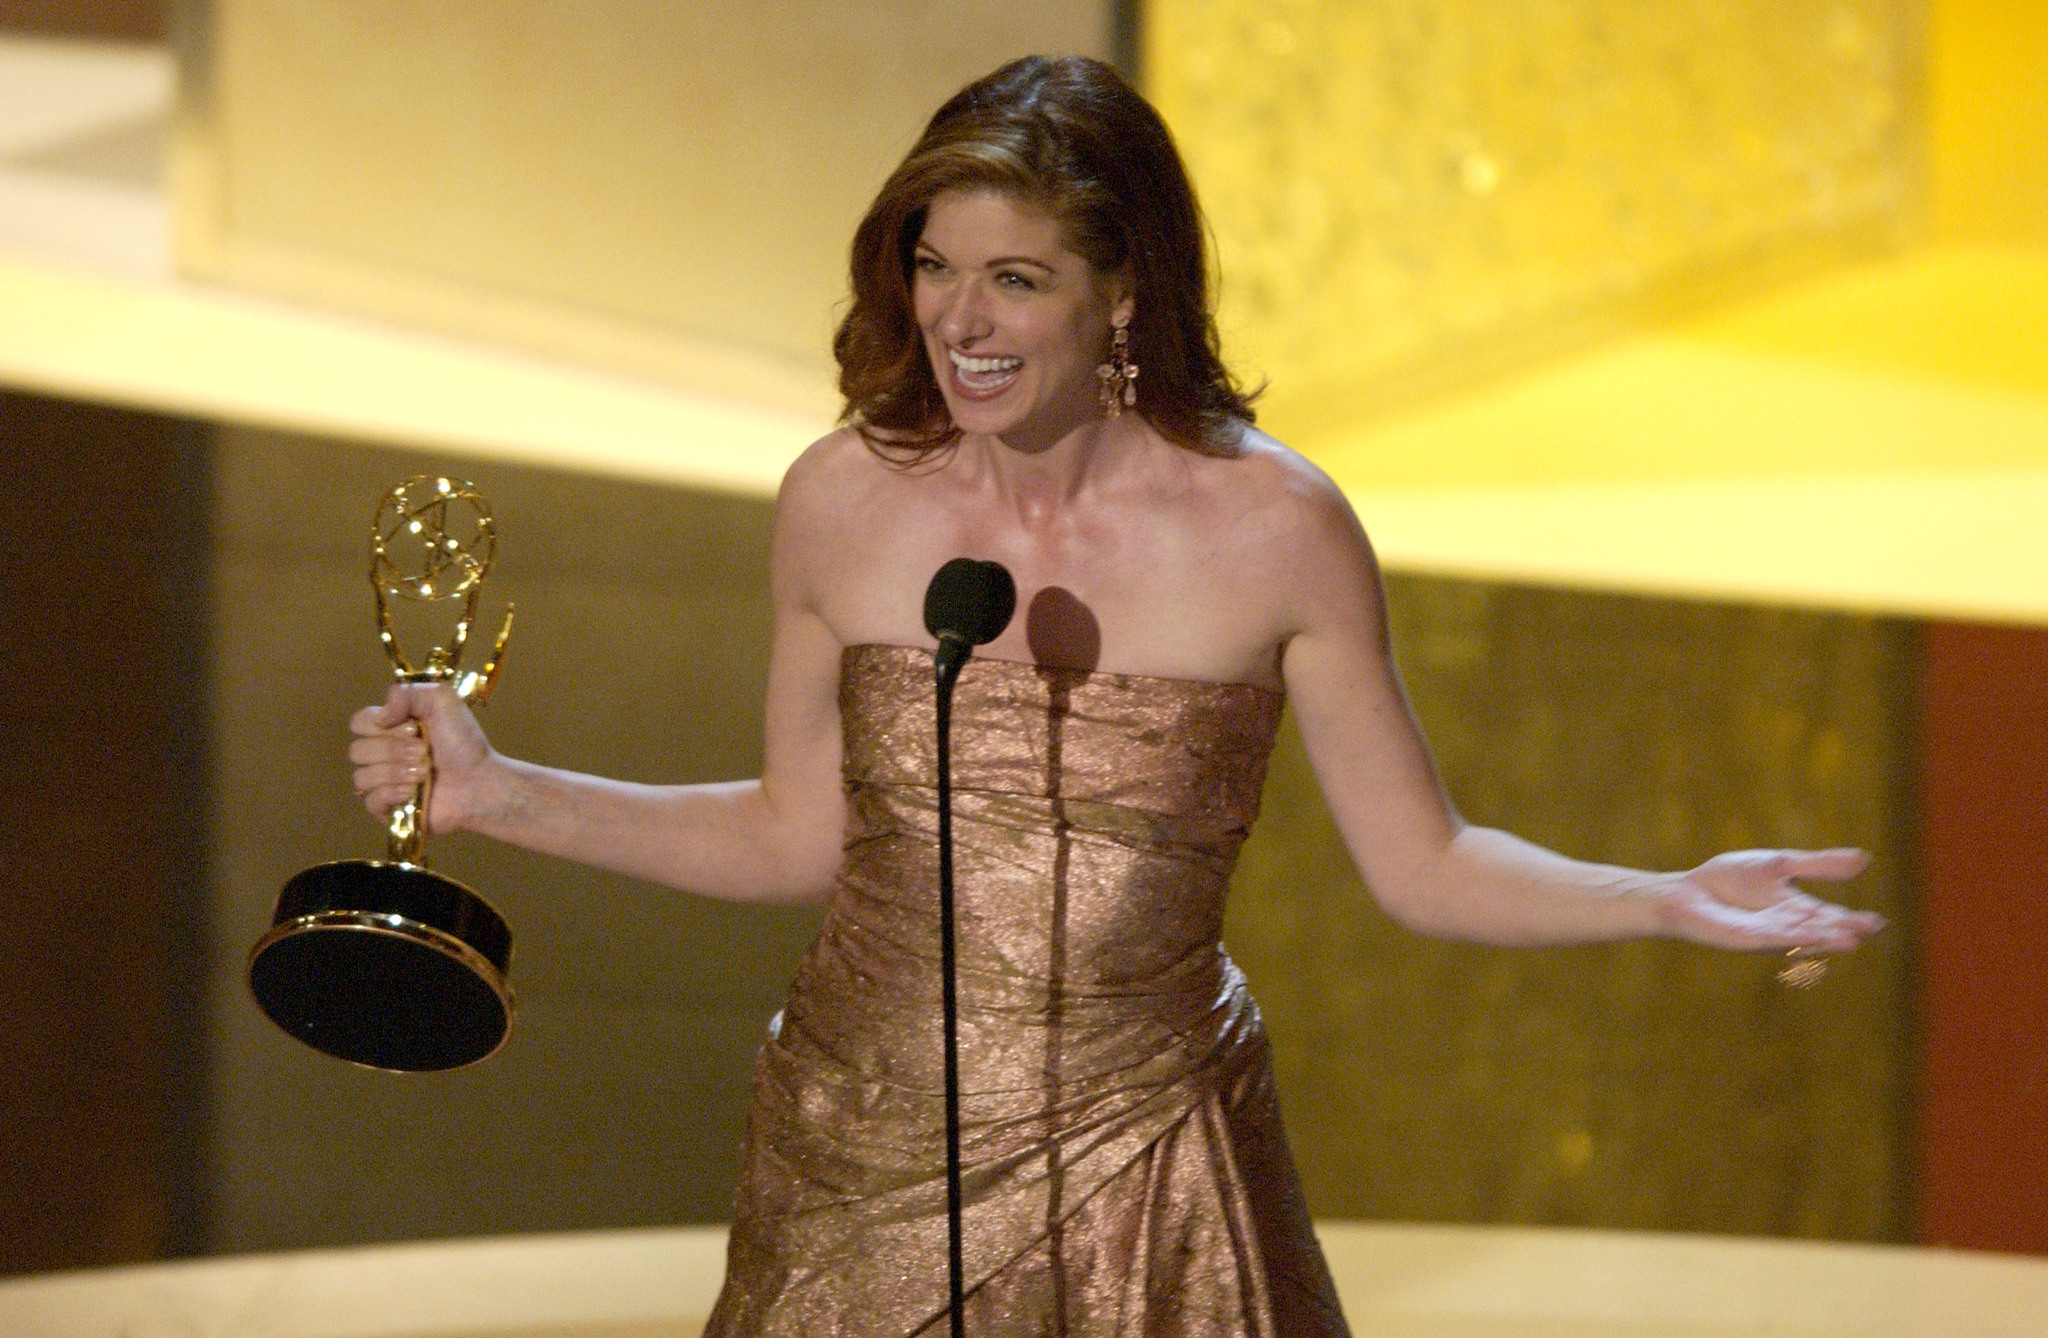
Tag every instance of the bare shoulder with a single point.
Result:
(816, 483)
(1282, 503)
(1294, 538)
(815, 510)
(842, 519)
(834, 489)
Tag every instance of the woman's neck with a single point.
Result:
(1035, 478)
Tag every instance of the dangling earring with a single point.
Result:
(1119, 376)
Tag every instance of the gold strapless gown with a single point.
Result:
(1124, 1166)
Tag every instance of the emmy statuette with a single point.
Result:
(385, 963)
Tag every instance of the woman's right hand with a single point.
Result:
(420, 731)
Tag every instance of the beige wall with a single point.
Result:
(667, 189)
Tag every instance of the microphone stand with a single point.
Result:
(950, 660)
(967, 604)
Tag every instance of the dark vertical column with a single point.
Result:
(1127, 38)
(187, 585)
(128, 20)
(1984, 923)
(101, 533)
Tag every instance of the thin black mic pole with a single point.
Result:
(949, 668)
(968, 604)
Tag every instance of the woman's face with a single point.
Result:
(1014, 322)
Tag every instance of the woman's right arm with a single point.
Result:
(776, 839)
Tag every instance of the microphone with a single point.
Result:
(968, 604)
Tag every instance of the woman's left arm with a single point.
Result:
(1441, 876)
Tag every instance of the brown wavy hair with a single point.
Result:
(1069, 136)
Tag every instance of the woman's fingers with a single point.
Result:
(389, 753)
(1712, 921)
(395, 748)
(1758, 878)
(1750, 899)
(1831, 865)
(401, 703)
(381, 799)
(418, 729)
(1827, 928)
(1822, 926)
(377, 772)
(406, 706)
(394, 711)
(385, 786)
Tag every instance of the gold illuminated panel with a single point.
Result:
(1408, 194)
(1648, 1085)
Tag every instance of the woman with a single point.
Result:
(1031, 376)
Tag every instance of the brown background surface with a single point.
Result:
(1651, 1085)
(1983, 1173)
(127, 20)
(102, 745)
(1638, 1085)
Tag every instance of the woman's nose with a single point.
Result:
(964, 317)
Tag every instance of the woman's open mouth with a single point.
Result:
(982, 376)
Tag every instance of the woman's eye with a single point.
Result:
(1010, 279)
(928, 264)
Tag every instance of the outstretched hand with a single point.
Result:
(1749, 900)
(420, 731)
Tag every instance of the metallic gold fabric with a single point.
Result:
(1125, 1170)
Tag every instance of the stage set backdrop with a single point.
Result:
(1629, 329)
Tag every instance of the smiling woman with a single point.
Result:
(1185, 576)
(1070, 144)
(1014, 323)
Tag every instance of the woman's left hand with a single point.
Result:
(1749, 900)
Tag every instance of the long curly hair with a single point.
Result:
(1067, 135)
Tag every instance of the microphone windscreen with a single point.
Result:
(971, 600)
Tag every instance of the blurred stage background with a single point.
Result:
(1687, 361)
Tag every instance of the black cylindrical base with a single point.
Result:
(386, 965)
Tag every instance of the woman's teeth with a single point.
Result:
(983, 373)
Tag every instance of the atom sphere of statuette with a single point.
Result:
(433, 538)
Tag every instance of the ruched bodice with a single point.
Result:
(1095, 822)
(1125, 1169)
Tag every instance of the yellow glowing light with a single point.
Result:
(1398, 189)
(210, 354)
(1823, 446)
